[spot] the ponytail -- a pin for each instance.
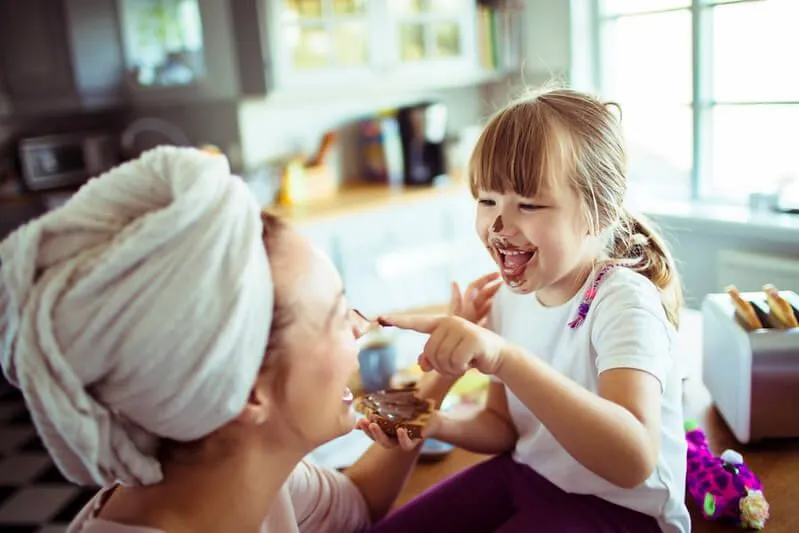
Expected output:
(641, 248)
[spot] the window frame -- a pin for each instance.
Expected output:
(702, 102)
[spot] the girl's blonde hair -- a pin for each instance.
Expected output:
(543, 137)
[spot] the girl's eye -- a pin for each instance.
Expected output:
(529, 207)
(487, 202)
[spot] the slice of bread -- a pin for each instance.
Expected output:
(744, 310)
(781, 310)
(392, 409)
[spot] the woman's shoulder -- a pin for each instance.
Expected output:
(87, 522)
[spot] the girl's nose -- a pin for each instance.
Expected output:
(497, 226)
(503, 226)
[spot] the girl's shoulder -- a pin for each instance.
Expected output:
(622, 290)
(622, 284)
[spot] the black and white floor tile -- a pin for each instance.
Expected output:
(34, 497)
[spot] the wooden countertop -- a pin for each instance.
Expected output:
(361, 197)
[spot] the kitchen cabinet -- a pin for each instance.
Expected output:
(404, 256)
(5, 103)
(431, 36)
(322, 41)
(58, 55)
(308, 46)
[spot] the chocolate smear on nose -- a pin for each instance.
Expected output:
(497, 227)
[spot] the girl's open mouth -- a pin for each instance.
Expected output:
(514, 262)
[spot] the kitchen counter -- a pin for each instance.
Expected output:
(360, 197)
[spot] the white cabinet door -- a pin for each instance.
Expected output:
(395, 259)
(431, 38)
(469, 258)
(322, 236)
(331, 42)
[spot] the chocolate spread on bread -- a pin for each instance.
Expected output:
(393, 409)
(397, 405)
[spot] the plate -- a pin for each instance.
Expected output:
(434, 450)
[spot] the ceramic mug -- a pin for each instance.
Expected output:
(377, 358)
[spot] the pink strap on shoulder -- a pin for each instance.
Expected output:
(589, 296)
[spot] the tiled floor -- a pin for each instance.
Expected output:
(34, 497)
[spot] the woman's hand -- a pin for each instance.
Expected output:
(455, 345)
(373, 431)
(474, 304)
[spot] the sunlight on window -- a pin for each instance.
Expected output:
(659, 148)
(753, 149)
(646, 68)
(754, 51)
(616, 7)
(648, 58)
(164, 41)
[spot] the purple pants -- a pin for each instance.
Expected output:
(503, 496)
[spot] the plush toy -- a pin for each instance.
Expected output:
(723, 487)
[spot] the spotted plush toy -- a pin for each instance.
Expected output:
(723, 487)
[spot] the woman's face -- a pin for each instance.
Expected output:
(318, 345)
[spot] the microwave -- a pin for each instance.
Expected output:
(67, 160)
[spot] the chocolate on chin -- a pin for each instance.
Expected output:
(392, 409)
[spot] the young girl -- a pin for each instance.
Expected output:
(584, 406)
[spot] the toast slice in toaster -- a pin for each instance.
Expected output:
(744, 310)
(780, 308)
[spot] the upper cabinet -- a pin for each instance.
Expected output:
(329, 44)
(59, 55)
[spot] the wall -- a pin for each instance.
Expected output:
(213, 122)
(547, 38)
(273, 126)
(698, 242)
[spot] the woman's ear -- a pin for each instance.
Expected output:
(257, 409)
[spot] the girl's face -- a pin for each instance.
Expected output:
(540, 244)
(313, 402)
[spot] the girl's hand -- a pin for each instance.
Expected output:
(373, 431)
(455, 345)
(475, 303)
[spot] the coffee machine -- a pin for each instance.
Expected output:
(423, 130)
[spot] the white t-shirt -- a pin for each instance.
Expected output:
(626, 327)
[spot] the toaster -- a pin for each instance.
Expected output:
(752, 376)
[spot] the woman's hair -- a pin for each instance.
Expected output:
(282, 316)
(542, 137)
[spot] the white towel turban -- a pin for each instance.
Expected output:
(139, 309)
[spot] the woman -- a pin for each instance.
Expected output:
(185, 352)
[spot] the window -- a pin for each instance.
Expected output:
(709, 92)
(164, 41)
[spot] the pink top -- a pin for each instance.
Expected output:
(313, 499)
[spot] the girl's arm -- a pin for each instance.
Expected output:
(489, 430)
(615, 434)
